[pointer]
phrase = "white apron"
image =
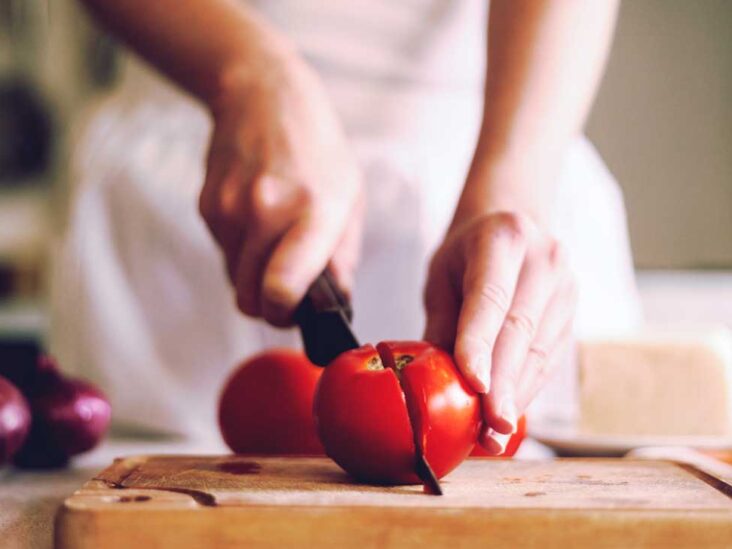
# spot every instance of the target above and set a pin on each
(141, 303)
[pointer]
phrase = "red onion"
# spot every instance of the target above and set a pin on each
(70, 416)
(15, 420)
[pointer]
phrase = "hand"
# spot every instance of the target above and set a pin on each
(282, 194)
(500, 294)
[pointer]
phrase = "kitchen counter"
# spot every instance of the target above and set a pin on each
(29, 499)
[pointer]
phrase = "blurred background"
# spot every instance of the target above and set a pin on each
(662, 121)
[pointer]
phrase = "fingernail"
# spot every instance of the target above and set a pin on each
(495, 442)
(507, 412)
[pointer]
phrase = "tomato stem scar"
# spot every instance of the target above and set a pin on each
(375, 364)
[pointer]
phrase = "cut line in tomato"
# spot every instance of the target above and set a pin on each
(376, 405)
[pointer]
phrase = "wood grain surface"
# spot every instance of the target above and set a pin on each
(234, 501)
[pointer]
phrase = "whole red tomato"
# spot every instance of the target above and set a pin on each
(513, 443)
(266, 406)
(373, 405)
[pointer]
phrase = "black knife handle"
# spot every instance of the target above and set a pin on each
(324, 317)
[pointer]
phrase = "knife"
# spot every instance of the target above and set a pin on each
(324, 317)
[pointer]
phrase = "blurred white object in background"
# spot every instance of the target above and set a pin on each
(686, 298)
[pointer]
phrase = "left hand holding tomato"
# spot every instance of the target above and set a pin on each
(501, 294)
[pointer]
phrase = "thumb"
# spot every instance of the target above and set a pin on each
(442, 306)
(298, 258)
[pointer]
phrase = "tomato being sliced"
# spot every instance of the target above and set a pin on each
(372, 405)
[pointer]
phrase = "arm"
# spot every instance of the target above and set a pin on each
(207, 47)
(282, 195)
(499, 290)
(545, 60)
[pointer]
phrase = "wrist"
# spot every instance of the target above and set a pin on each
(510, 183)
(256, 70)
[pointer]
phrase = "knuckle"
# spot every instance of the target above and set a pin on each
(556, 255)
(538, 357)
(493, 295)
(271, 197)
(306, 198)
(227, 199)
(262, 198)
(521, 322)
(549, 258)
(542, 363)
(512, 224)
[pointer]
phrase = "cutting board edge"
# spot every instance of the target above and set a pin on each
(409, 527)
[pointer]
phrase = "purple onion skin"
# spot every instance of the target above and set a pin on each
(70, 417)
(15, 420)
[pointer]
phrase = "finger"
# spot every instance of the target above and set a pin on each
(252, 260)
(493, 441)
(230, 239)
(296, 261)
(442, 306)
(492, 270)
(549, 347)
(218, 203)
(536, 285)
(231, 247)
(271, 210)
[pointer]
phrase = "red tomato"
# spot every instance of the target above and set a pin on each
(513, 443)
(373, 405)
(266, 406)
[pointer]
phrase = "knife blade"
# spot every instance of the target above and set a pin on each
(426, 474)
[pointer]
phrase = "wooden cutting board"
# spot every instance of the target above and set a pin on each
(235, 501)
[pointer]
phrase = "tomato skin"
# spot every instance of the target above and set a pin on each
(266, 406)
(511, 447)
(363, 415)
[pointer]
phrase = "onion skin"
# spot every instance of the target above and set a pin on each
(70, 417)
(15, 420)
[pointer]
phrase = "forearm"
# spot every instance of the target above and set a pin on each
(207, 47)
(545, 60)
